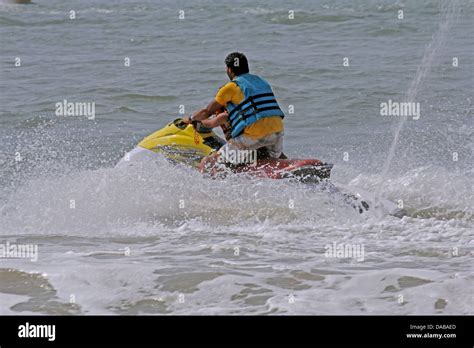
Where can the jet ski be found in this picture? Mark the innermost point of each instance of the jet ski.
(184, 143)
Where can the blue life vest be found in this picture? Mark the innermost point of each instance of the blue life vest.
(259, 102)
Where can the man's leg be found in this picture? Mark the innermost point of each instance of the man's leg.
(236, 150)
(274, 145)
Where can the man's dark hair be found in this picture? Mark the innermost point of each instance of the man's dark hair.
(237, 62)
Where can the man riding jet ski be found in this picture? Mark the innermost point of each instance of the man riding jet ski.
(248, 113)
(252, 123)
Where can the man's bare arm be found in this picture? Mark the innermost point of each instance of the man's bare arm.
(211, 109)
(216, 121)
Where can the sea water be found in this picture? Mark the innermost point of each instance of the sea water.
(160, 239)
